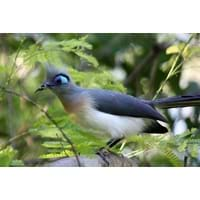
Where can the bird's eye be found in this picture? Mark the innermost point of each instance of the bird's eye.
(60, 80)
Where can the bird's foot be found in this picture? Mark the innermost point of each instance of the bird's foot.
(102, 153)
(112, 159)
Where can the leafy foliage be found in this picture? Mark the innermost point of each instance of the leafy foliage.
(26, 133)
(7, 156)
(54, 51)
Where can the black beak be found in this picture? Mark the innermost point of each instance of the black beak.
(42, 87)
(45, 86)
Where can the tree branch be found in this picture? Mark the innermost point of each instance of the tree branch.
(151, 56)
(104, 158)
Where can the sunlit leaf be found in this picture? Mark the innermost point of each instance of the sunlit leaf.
(6, 156)
(173, 49)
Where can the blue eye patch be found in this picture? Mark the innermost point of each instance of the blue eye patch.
(61, 79)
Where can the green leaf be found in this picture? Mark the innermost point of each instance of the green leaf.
(173, 50)
(89, 58)
(182, 146)
(173, 158)
(193, 149)
(6, 156)
(64, 153)
(68, 45)
(17, 163)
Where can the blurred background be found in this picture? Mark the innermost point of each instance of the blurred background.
(144, 65)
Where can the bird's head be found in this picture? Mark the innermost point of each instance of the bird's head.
(57, 80)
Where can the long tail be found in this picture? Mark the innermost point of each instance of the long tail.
(177, 101)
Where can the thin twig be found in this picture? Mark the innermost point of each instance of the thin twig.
(14, 62)
(150, 57)
(48, 116)
(15, 138)
(139, 68)
(152, 78)
(173, 68)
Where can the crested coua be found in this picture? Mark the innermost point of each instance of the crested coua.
(112, 113)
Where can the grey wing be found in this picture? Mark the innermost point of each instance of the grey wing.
(123, 105)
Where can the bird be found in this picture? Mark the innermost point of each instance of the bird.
(111, 113)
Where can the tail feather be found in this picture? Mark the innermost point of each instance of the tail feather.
(177, 101)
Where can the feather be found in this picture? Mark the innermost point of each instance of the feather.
(123, 105)
(177, 101)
